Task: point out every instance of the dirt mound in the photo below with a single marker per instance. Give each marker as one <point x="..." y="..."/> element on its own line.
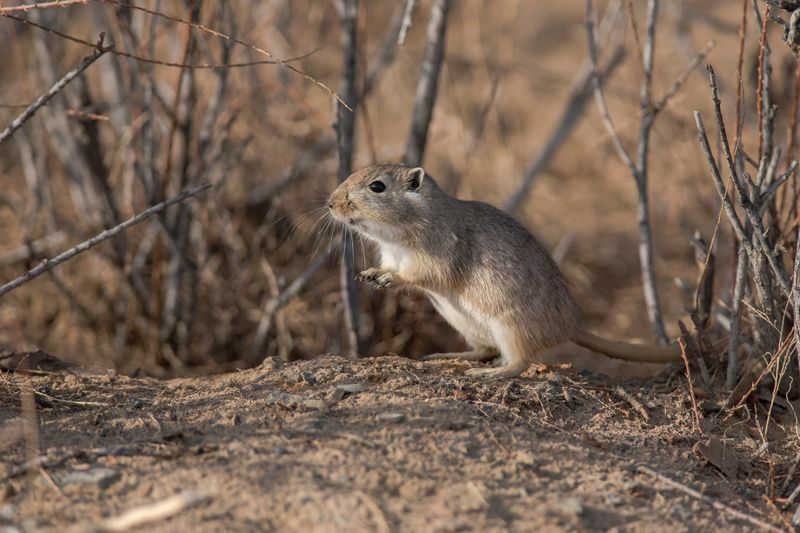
<point x="377" y="444"/>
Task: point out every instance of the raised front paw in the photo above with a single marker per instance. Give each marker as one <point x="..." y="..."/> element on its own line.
<point x="377" y="277"/>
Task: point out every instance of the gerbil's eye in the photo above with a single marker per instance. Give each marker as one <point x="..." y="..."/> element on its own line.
<point x="377" y="186"/>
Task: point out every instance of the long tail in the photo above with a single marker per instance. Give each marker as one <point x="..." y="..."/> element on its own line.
<point x="642" y="353"/>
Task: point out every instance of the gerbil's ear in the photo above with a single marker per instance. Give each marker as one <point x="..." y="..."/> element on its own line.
<point x="414" y="178"/>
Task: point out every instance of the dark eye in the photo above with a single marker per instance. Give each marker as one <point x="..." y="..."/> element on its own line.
<point x="377" y="186"/>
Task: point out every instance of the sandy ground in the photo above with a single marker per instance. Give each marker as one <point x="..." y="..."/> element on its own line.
<point x="381" y="444"/>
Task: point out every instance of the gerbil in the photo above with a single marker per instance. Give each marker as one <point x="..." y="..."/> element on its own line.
<point x="483" y="271"/>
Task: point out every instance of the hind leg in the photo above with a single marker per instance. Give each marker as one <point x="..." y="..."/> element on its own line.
<point x="477" y="354"/>
<point x="514" y="356"/>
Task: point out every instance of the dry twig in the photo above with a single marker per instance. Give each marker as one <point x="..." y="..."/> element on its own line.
<point x="702" y="497"/>
<point x="155" y="512"/>
<point x="638" y="168"/>
<point x="55" y="89"/>
<point x="48" y="264"/>
<point x="427" y="84"/>
<point x="345" y="139"/>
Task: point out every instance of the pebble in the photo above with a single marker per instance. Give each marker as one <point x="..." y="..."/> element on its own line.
<point x="99" y="476"/>
<point x="351" y="388"/>
<point x="308" y="377"/>
<point x="391" y="417"/>
<point x="571" y="506"/>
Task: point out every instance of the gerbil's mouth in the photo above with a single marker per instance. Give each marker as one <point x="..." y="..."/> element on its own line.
<point x="345" y="218"/>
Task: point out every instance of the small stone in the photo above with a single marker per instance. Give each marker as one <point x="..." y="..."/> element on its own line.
<point x="7" y="512"/>
<point x="308" y="377"/>
<point x="271" y="363"/>
<point x="99" y="476"/>
<point x="351" y="388"/>
<point x="236" y="420"/>
<point x="391" y="417"/>
<point x="613" y="499"/>
<point x="571" y="506"/>
<point x="314" y="403"/>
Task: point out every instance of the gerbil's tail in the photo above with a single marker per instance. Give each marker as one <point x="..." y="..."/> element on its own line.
<point x="643" y="353"/>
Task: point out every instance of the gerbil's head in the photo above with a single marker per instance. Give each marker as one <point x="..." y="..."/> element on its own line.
<point x="382" y="201"/>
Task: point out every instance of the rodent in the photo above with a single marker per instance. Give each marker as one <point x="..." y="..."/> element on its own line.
<point x="483" y="271"/>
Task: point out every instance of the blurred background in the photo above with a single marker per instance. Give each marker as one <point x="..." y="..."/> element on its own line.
<point x="185" y="293"/>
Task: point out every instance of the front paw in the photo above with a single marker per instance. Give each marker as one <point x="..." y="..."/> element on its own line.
<point x="377" y="278"/>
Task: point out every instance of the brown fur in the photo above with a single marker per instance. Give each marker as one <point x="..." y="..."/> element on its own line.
<point x="484" y="272"/>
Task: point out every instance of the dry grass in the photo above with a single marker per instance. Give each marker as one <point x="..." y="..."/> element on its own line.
<point x="585" y="202"/>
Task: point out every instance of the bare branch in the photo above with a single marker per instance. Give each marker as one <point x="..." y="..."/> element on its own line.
<point x="24" y="8"/>
<point x="273" y="305"/>
<point x="598" y="93"/>
<point x="60" y="84"/>
<point x="573" y="110"/>
<point x="197" y="66"/>
<point x="703" y="498"/>
<point x="49" y="264"/>
<point x="221" y="35"/>
<point x="385" y="56"/>
<point x="581" y="91"/>
<point x="646" y="252"/>
<point x="345" y="137"/>
<point x="428" y="84"/>
<point x="406" y="22"/>
<point x="796" y="297"/>
<point x="730" y="211"/>
<point x="662" y="104"/>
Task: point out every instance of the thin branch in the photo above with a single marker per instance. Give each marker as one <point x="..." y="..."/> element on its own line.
<point x="345" y="139"/>
<point x="662" y="104"/>
<point x="221" y="35"/>
<point x="385" y="57"/>
<point x="274" y="305"/>
<point x="48" y="264"/>
<point x="638" y="168"/>
<point x="739" y="67"/>
<point x="598" y="93"/>
<point x="197" y="66"/>
<point x="427" y="85"/>
<point x="740" y="284"/>
<point x="154" y="512"/>
<point x="760" y="92"/>
<point x="406" y="22"/>
<point x="573" y="110"/>
<point x="759" y="233"/>
<point x="24" y="8"/>
<point x="582" y="89"/>
<point x="55" y="89"/>
<point x="646" y="253"/>
<point x="796" y="297"/>
<point x="702" y="497"/>
<point x="730" y="211"/>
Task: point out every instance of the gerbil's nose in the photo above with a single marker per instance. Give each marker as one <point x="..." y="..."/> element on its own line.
<point x="330" y="204"/>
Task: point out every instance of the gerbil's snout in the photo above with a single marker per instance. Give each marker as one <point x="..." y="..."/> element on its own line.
<point x="338" y="203"/>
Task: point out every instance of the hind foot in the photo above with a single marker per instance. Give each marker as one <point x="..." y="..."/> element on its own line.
<point x="506" y="371"/>
<point x="479" y="354"/>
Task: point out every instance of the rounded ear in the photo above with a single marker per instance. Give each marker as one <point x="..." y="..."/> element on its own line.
<point x="414" y="178"/>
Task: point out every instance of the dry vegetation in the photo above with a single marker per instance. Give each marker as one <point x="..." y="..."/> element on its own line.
<point x="249" y="96"/>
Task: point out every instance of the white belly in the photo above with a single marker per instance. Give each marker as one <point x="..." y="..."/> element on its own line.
<point x="473" y="327"/>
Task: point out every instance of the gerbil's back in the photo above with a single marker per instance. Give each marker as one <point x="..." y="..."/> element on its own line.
<point x="516" y="272"/>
